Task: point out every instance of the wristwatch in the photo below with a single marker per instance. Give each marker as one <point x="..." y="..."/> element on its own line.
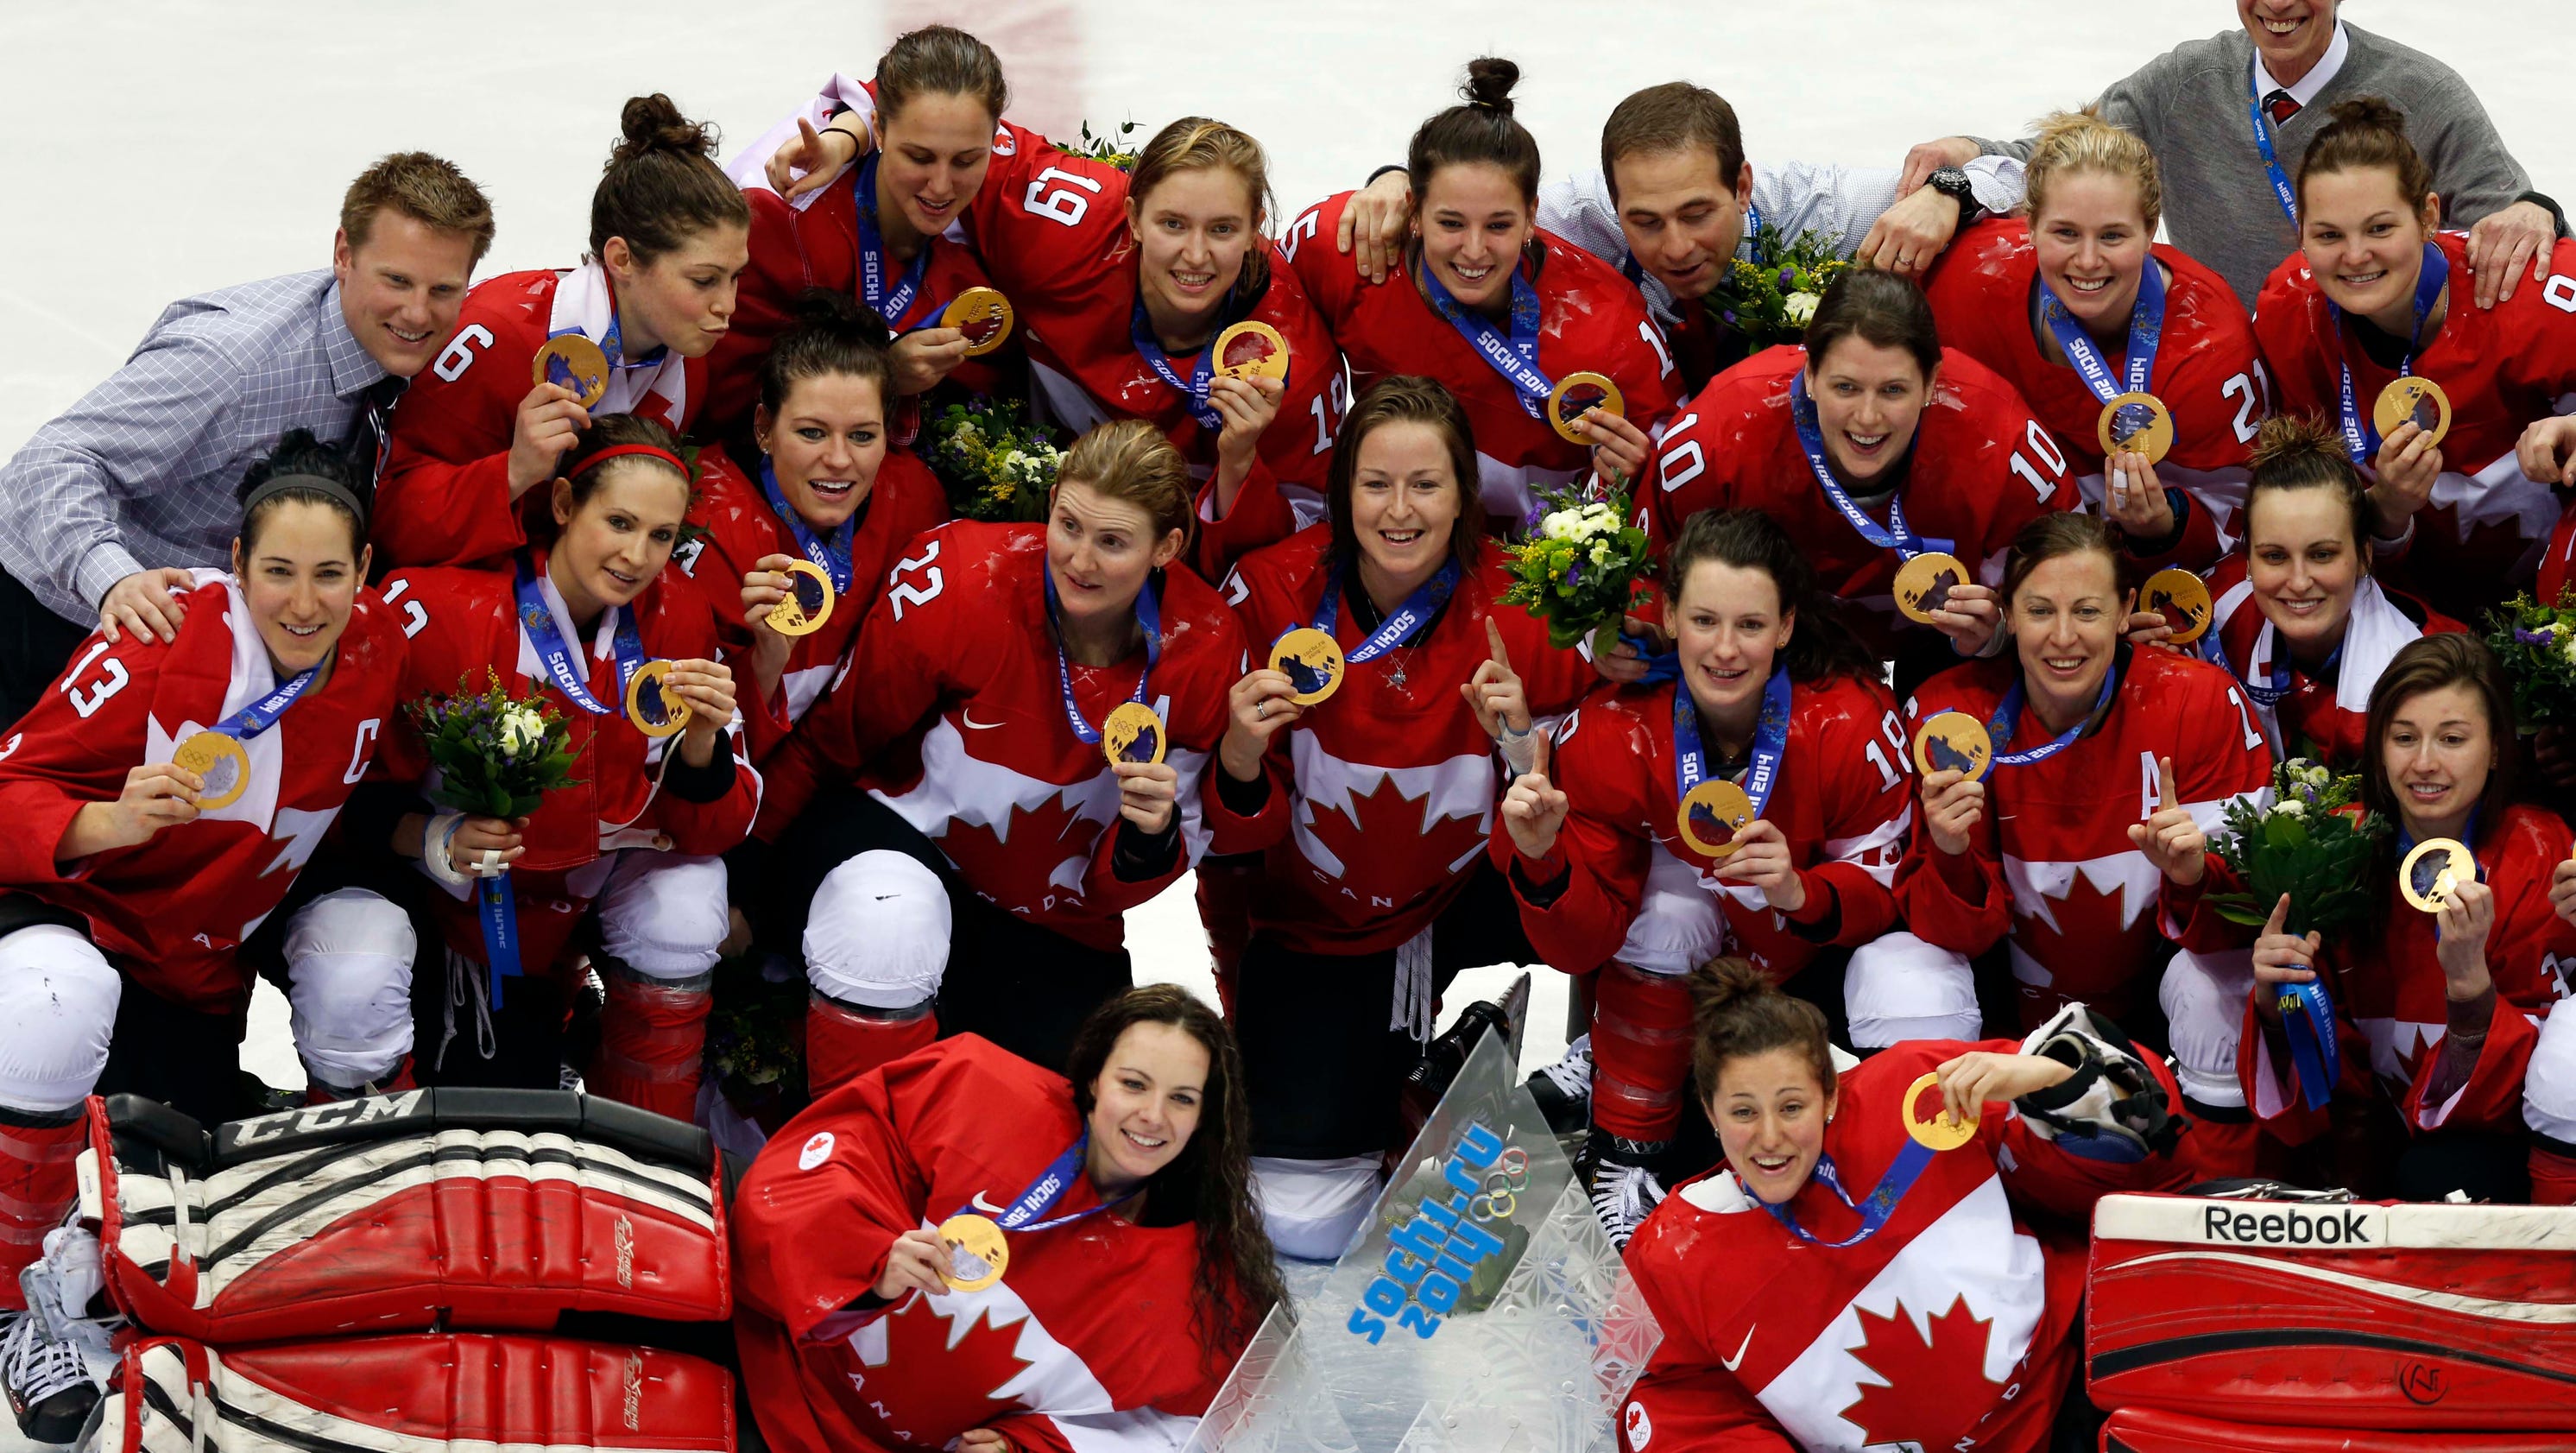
<point x="1952" y="182"/>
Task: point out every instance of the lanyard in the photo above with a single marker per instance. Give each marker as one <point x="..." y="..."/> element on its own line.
<point x="1149" y="614"/>
<point x="1515" y="357"/>
<point x="2360" y="437"/>
<point x="832" y="554"/>
<point x="2146" y="330"/>
<point x="538" y="620"/>
<point x="1043" y="1194"/>
<point x="1999" y="727"/>
<point x="262" y="714"/>
<point x="1194" y="392"/>
<point x="1770" y="739"/>
<point x="1417" y="610"/>
<point x="1874" y="1211"/>
<point x="1892" y="536"/>
<point x="2281" y="671"/>
<point x="893" y="300"/>
<point x="2281" y="191"/>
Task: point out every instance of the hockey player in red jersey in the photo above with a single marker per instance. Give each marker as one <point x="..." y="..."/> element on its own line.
<point x="2079" y="307"/>
<point x="2368" y="299"/>
<point x="1494" y="308"/>
<point x="2091" y="741"/>
<point x="1869" y="445"/>
<point x="888" y="233"/>
<point x="826" y="490"/>
<point x="1373" y="804"/>
<point x="1774" y="694"/>
<point x="472" y="438"/>
<point x="949" y="822"/>
<point x="1119" y="1263"/>
<point x="1894" y="1256"/>
<point x="589" y="625"/>
<point x="2436" y="1014"/>
<point x="142" y="870"/>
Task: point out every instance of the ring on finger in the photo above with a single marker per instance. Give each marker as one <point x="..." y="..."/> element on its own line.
<point x="1261" y="712"/>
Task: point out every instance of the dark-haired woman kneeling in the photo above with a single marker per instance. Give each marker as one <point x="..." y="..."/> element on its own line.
<point x="1895" y="1256"/>
<point x="1132" y="1271"/>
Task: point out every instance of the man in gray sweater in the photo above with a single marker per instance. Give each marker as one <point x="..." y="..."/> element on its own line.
<point x="2197" y="106"/>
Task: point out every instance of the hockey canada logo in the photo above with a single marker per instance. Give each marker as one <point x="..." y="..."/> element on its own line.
<point x="818" y="1149"/>
<point x="1431" y="1258"/>
<point x="1641" y="1429"/>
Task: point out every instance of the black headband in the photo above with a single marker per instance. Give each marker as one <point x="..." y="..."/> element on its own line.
<point x="277" y="484"/>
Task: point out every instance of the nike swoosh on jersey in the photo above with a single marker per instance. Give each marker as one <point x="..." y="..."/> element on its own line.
<point x="979" y="1203"/>
<point x="968" y="717"/>
<point x="1731" y="1363"/>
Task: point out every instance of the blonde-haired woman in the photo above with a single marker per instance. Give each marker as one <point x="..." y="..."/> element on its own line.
<point x="2080" y="306"/>
<point x="954" y="843"/>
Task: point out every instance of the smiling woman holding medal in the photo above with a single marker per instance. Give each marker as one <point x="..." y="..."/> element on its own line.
<point x="1371" y="783"/>
<point x="1013" y="760"/>
<point x="1521" y="325"/>
<point x="1769" y="787"/>
<point x="2138" y="358"/>
<point x="2364" y="316"/>
<point x="962" y="1250"/>
<point x="589" y="624"/>
<point x="1930" y="1201"/>
<point x="538" y="356"/>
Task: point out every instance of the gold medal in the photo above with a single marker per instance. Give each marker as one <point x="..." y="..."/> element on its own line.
<point x="983" y="315"/>
<point x="2434" y="871"/>
<point x="219" y="762"/>
<point x="1251" y="350"/>
<point x="1953" y="741"/>
<point x="1133" y="733"/>
<point x="1944" y="1131"/>
<point x="2135" y="424"/>
<point x="978" y="1253"/>
<point x="1712" y="815"/>
<point x="1312" y="662"/>
<point x="1578" y="394"/>
<point x="1923" y="584"/>
<point x="654" y="709"/>
<point x="572" y="362"/>
<point x="2417" y="400"/>
<point x="2182" y="598"/>
<point x="808" y="602"/>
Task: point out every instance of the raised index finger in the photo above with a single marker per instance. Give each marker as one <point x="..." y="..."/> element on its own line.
<point x="2279" y="921"/>
<point x="1494" y="642"/>
<point x="1538" y="758"/>
<point x="2165" y="783"/>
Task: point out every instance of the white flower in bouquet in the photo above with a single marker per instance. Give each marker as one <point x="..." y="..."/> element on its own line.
<point x="2567" y="646"/>
<point x="2290" y="807"/>
<point x="2316" y="776"/>
<point x="1600" y="554"/>
<point x="523" y="731"/>
<point x="1799" y="308"/>
<point x="1562" y="525"/>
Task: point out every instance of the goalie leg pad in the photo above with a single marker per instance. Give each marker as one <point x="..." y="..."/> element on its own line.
<point x="2154" y="1430"/>
<point x="662" y="924"/>
<point x="348" y="964"/>
<point x="1641" y="1051"/>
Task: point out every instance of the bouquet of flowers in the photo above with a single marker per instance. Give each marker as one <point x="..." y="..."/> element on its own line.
<point x="496" y="755"/>
<point x="997" y="467"/>
<point x="2537" y="645"/>
<point x="2313" y="842"/>
<point x="1579" y="566"/>
<point x="1769" y="297"/>
<point x="756" y="1035"/>
<point x="1117" y="148"/>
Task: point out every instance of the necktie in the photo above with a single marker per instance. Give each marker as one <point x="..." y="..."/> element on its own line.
<point x="2282" y="106"/>
<point x="373" y="432"/>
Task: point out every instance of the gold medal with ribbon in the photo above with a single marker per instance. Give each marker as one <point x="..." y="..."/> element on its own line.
<point x="978" y="1252"/>
<point x="1312" y="662"/>
<point x="651" y="705"/>
<point x="1943" y="1130"/>
<point x="983" y="315"/>
<point x="2135" y="424"/>
<point x="808" y="602"/>
<point x="2182" y="598"/>
<point x="1953" y="741"/>
<point x="220" y="762"/>
<point x="1251" y="349"/>
<point x="2417" y="400"/>
<point x="1133" y="733"/>
<point x="573" y="363"/>
<point x="2434" y="871"/>
<point x="1578" y="394"/>
<point x="1711" y="816"/>
<point x="1923" y="584"/>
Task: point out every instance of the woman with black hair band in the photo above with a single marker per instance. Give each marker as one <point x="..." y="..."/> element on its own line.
<point x="1100" y="1220"/>
<point x="623" y="861"/>
<point x="1372" y="798"/>
<point x="1508" y="317"/>
<point x="826" y="511"/>
<point x="2435" y="1010"/>
<point x="1761" y="801"/>
<point x="540" y="356"/>
<point x="162" y="801"/>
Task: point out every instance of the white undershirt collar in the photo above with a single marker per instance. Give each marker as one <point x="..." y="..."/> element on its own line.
<point x="2315" y="80"/>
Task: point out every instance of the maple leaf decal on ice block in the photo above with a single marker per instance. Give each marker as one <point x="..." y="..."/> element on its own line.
<point x="1933" y="1389"/>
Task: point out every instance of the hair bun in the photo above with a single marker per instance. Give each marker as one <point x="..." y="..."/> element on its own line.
<point x="654" y="123"/>
<point x="834" y="311"/>
<point x="2373" y="111"/>
<point x="1489" y="84"/>
<point x="2295" y="438"/>
<point x="1720" y="986"/>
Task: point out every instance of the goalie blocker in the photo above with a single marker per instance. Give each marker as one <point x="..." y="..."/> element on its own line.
<point x="476" y="1208"/>
<point x="2318" y="1314"/>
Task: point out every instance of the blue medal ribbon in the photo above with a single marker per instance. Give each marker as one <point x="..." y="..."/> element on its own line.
<point x="1193" y="391"/>
<point x="262" y="714"/>
<point x="1514" y="357"/>
<point x="1417" y="610"/>
<point x="2281" y="189"/>
<point x="1894" y="535"/>
<point x="1149" y="614"/>
<point x="1999" y="727"/>
<point x="562" y="664"/>
<point x="2361" y="436"/>
<point x="2146" y="330"/>
<point x="832" y="553"/>
<point x="891" y="300"/>
<point x="1044" y="1193"/>
<point x="2308" y="1023"/>
<point x="1875" y="1210"/>
<point x="2270" y="696"/>
<point x="1770" y="740"/>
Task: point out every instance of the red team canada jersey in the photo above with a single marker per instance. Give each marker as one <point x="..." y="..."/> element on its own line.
<point x="742" y="527"/>
<point x="445" y="497"/>
<point x="1843" y="798"/>
<point x="1390" y="789"/>
<point x="1591" y="320"/>
<point x="1953" y="1327"/>
<point x="2478" y="536"/>
<point x="2050" y="869"/>
<point x="1086" y="1345"/>
<point x="2324" y="720"/>
<point x="954" y="717"/>
<point x="1980" y="469"/>
<point x="171" y="911"/>
<point x="2208" y="373"/>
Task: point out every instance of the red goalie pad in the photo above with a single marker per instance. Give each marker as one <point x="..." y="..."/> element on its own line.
<point x="2335" y="1316"/>
<point x="432" y="1392"/>
<point x="494" y="1209"/>
<point x="2151" y="1430"/>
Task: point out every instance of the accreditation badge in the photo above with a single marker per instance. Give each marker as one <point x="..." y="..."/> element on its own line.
<point x="651" y="705"/>
<point x="220" y="762"/>
<point x="808" y="602"/>
<point x="978" y="1253"/>
<point x="1578" y="394"/>
<point x="1312" y="662"/>
<point x="1711" y="816"/>
<point x="983" y="315"/>
<point x="1133" y="733"/>
<point x="573" y="363"/>
<point x="1953" y="741"/>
